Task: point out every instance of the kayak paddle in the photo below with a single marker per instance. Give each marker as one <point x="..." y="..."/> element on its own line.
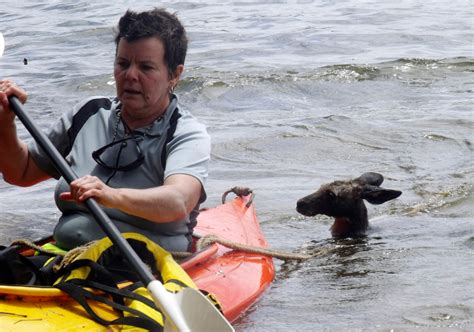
<point x="187" y="310"/>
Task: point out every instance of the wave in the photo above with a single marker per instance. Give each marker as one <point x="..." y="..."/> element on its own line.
<point x="412" y="71"/>
<point x="453" y="201"/>
<point x="407" y="69"/>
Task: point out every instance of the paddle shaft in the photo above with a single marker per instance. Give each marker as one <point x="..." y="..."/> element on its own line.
<point x="65" y="170"/>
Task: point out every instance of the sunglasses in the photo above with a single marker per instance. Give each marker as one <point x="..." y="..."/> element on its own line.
<point x="122" y="155"/>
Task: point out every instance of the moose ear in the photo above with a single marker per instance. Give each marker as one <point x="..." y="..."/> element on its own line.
<point x="377" y="195"/>
<point x="372" y="178"/>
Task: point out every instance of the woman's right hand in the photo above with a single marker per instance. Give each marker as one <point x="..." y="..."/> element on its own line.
<point x="18" y="168"/>
<point x="9" y="88"/>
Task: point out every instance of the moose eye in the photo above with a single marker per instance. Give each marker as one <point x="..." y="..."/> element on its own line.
<point x="331" y="194"/>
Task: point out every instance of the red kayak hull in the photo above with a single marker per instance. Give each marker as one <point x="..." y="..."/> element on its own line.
<point x="237" y="278"/>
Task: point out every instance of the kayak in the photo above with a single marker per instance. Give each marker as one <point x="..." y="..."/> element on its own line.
<point x="235" y="277"/>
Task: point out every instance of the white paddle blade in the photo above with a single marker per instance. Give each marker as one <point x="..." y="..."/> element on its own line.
<point x="201" y="314"/>
<point x="2" y="44"/>
<point x="188" y="310"/>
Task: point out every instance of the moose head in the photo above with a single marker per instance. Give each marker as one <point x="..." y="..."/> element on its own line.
<point x="344" y="200"/>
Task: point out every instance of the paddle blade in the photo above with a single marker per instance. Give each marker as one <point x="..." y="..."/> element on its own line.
<point x="188" y="310"/>
<point x="200" y="313"/>
<point x="2" y="44"/>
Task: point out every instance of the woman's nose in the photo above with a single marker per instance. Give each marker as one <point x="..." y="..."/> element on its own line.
<point x="132" y="72"/>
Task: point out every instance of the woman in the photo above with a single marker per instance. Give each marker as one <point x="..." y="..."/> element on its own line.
<point x="138" y="154"/>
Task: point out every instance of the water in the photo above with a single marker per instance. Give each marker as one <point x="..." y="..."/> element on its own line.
<point x="296" y="94"/>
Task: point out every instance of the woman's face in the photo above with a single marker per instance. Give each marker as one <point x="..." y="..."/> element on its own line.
<point x="142" y="78"/>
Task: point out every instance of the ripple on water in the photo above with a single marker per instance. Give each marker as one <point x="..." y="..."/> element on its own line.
<point x="470" y="242"/>
<point x="441" y="316"/>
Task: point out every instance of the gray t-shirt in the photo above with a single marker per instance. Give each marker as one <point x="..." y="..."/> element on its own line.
<point x="94" y="123"/>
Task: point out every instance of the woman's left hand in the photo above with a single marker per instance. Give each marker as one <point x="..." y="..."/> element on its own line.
<point x="173" y="201"/>
<point x="89" y="186"/>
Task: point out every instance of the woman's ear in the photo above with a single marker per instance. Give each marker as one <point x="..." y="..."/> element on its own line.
<point x="177" y="75"/>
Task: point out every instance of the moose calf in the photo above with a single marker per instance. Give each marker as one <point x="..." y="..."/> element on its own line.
<point x="344" y="200"/>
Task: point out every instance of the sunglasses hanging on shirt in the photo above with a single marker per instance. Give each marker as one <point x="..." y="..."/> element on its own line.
<point x="122" y="155"/>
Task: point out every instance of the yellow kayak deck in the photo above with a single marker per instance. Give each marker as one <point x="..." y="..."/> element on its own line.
<point x="39" y="310"/>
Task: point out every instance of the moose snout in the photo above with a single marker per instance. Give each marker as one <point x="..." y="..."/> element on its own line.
<point x="303" y="206"/>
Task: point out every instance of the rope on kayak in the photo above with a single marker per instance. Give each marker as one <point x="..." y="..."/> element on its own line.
<point x="32" y="245"/>
<point x="68" y="257"/>
<point x="203" y="242"/>
<point x="211" y="238"/>
<point x="240" y="191"/>
<point x="71" y="255"/>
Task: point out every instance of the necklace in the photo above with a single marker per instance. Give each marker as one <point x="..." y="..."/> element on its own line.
<point x="127" y="130"/>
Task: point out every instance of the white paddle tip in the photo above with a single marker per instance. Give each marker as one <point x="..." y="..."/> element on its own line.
<point x="2" y="44"/>
<point x="188" y="310"/>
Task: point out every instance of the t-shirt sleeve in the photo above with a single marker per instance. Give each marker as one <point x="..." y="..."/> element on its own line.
<point x="57" y="134"/>
<point x="189" y="152"/>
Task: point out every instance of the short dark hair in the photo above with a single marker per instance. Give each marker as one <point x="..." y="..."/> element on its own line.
<point x="156" y="23"/>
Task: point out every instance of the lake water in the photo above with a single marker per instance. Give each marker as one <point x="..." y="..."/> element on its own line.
<point x="296" y="94"/>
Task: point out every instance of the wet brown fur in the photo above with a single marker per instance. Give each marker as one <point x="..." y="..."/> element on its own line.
<point x="344" y="200"/>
